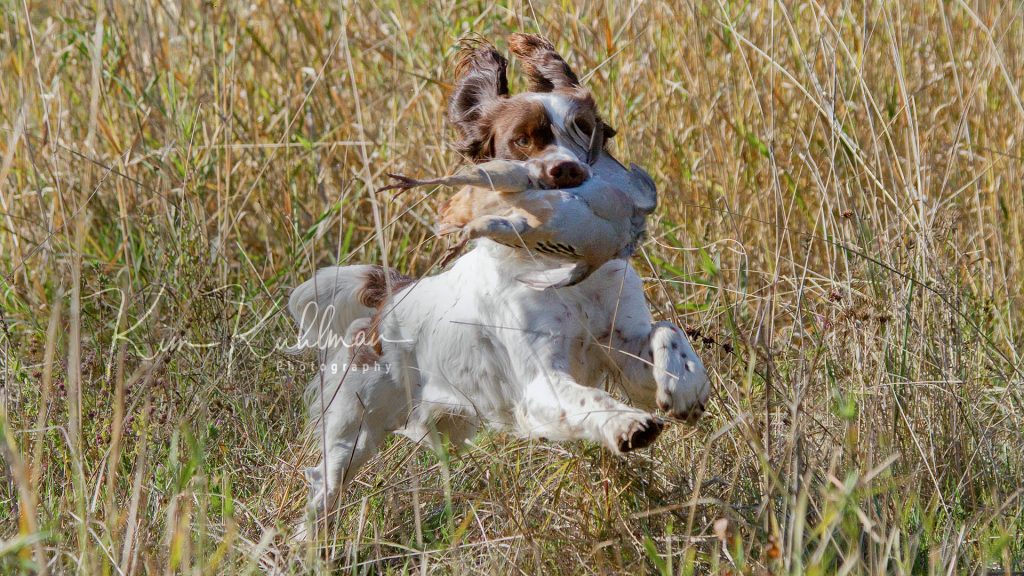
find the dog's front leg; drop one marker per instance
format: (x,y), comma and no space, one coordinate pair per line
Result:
(658,363)
(554,406)
(653,360)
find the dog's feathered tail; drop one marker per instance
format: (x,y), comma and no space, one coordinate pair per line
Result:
(324,306)
(327,307)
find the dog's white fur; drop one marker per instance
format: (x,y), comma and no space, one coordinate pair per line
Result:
(473,346)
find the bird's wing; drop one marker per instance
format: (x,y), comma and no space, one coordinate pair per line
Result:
(564,274)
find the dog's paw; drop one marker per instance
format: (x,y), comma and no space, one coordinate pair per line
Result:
(637,431)
(683,384)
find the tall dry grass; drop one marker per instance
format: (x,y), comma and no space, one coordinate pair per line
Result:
(840,230)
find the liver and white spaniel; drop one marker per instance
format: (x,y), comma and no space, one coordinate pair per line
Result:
(473,345)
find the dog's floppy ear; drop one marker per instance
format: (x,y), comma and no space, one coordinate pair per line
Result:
(480,80)
(543,66)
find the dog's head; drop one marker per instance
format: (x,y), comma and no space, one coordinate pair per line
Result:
(555,126)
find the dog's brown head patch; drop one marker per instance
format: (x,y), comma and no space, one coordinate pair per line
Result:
(494,124)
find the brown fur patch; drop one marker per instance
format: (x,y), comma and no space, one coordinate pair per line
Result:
(374,294)
(544,67)
(371,351)
(520,128)
(375,290)
(480,80)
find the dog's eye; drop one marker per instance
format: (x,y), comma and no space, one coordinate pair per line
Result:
(522,141)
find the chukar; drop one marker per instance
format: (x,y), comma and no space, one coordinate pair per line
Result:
(568,232)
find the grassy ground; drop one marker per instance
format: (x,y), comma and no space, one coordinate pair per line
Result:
(840,228)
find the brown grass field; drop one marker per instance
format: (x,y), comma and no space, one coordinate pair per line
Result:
(841,229)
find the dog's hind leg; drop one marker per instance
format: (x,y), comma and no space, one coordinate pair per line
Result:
(359,413)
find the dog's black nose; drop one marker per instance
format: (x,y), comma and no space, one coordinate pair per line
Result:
(567,174)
